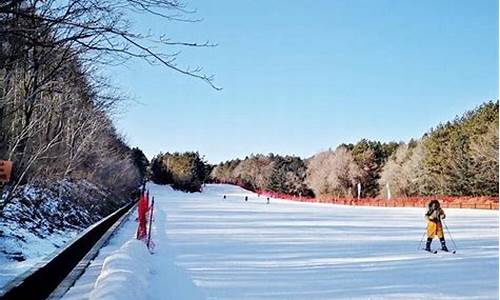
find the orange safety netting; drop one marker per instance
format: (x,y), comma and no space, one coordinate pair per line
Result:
(479,202)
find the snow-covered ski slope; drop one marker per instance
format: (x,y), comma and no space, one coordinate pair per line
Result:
(215,248)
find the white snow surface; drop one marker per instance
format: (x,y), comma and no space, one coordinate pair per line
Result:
(208,247)
(41,218)
(125,269)
(34,248)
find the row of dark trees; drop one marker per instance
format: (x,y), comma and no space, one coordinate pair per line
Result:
(458,158)
(55,108)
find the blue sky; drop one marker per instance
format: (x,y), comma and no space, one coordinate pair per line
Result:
(299,77)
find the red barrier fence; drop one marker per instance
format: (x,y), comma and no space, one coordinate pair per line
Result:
(145,216)
(142,216)
(475,202)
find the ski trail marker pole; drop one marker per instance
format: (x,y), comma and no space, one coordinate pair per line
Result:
(151,220)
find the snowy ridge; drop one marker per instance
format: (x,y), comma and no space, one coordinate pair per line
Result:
(126,269)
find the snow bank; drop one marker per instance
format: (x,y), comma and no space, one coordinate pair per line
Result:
(123,270)
(124,274)
(43,216)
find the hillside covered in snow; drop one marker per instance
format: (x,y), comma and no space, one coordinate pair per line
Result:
(44,217)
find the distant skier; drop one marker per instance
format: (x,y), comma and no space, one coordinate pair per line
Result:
(224,196)
(434,216)
(267,200)
(246,198)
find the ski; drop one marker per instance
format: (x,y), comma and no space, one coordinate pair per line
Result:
(450,251)
(431,251)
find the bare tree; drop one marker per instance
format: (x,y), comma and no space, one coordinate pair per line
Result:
(405,172)
(99,30)
(54,109)
(254,170)
(484,152)
(333,173)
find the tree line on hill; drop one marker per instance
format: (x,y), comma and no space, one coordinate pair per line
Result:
(332,172)
(457,158)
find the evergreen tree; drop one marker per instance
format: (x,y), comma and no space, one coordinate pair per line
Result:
(141,162)
(288,176)
(370,156)
(159,172)
(452,168)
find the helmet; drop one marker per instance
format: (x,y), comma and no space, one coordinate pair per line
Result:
(434,204)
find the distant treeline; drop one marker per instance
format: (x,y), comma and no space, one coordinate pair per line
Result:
(458,158)
(332,172)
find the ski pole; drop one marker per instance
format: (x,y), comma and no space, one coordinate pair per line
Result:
(451,237)
(420,244)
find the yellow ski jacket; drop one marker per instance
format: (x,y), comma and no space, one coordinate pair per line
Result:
(434,225)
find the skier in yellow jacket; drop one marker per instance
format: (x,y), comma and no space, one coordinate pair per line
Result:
(434,216)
